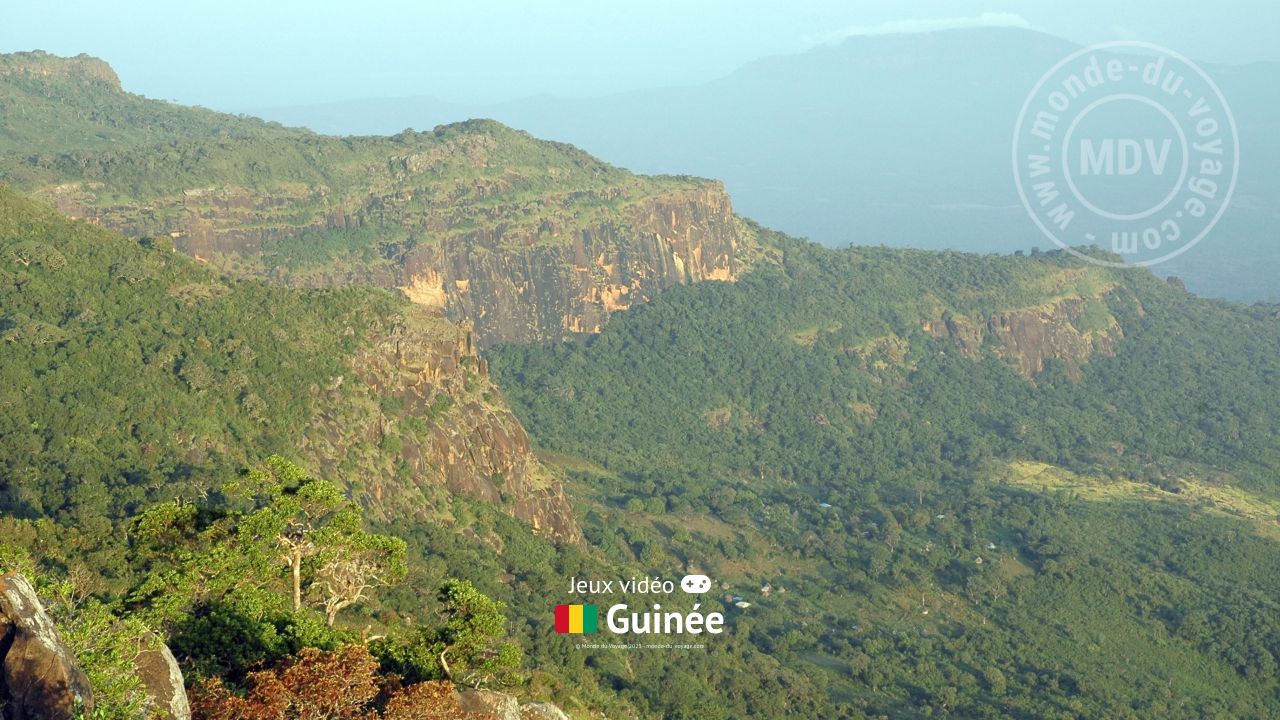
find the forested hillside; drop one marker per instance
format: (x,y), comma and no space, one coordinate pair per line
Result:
(132,374)
(168,430)
(994,486)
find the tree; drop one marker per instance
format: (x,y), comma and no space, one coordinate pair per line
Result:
(471,642)
(312,520)
(354,562)
(305,505)
(214,579)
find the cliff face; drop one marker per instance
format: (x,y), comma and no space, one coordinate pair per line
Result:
(1069,330)
(518,287)
(521,271)
(40,677)
(420,406)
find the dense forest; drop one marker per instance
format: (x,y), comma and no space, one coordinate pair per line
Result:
(1091,541)
(148,408)
(922,523)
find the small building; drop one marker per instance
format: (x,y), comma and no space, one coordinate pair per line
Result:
(742,604)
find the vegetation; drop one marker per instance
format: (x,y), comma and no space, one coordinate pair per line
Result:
(797,428)
(340,685)
(800,429)
(930,511)
(130,408)
(114,390)
(213,581)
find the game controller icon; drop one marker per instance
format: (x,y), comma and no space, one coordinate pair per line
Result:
(695,583)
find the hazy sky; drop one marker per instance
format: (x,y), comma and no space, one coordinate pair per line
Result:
(242,54)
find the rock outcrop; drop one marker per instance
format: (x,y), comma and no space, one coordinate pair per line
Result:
(162,679)
(493,705)
(515,279)
(1068,330)
(526,239)
(41,680)
(438,421)
(490,705)
(42,66)
(516,287)
(542,711)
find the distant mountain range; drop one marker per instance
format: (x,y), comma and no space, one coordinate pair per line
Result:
(894,139)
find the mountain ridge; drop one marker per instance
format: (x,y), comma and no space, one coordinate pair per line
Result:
(526,239)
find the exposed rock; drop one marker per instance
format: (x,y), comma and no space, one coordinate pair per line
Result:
(542,711)
(451,428)
(41,678)
(1036,335)
(1033,336)
(493,705)
(520,269)
(968,336)
(516,289)
(490,705)
(40,65)
(162,678)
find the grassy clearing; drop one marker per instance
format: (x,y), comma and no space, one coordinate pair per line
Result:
(1261,512)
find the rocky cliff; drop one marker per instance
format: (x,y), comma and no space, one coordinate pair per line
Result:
(419,404)
(526,239)
(518,268)
(565,277)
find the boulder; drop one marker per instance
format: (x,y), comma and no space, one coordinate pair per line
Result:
(541,711)
(41,680)
(158,670)
(490,705)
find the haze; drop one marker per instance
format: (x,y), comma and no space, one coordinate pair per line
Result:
(243,54)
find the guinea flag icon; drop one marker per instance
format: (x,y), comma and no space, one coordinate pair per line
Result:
(576,619)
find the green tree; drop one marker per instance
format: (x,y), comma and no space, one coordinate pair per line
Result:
(353,562)
(472,644)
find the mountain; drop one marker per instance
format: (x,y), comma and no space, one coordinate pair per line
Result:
(524,239)
(895,139)
(942,482)
(924,483)
(990,486)
(141,390)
